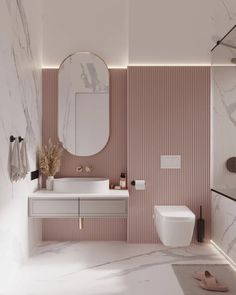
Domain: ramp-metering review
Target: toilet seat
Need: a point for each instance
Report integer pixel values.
(174, 213)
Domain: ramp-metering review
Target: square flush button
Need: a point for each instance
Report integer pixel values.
(170, 161)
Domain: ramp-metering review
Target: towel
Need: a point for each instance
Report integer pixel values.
(24, 159)
(16, 163)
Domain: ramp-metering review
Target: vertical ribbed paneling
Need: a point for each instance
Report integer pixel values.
(50, 106)
(168, 114)
(110, 162)
(95, 229)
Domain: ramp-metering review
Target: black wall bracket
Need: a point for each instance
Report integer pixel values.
(34, 174)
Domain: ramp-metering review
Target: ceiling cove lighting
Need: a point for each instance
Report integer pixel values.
(49, 67)
(142, 65)
(170, 65)
(224, 65)
(57, 67)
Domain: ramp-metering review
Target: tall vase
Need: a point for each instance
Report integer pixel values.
(49, 183)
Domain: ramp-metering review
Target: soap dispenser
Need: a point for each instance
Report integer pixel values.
(123, 181)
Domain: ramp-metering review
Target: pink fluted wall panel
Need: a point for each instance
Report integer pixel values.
(109, 163)
(95, 229)
(168, 114)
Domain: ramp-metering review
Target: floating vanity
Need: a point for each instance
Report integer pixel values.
(68, 201)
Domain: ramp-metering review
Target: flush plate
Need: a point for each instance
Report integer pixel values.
(170, 161)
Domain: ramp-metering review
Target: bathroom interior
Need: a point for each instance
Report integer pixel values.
(118, 147)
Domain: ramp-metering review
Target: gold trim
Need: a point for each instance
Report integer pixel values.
(83, 52)
(109, 92)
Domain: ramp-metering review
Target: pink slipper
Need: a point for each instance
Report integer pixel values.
(211, 284)
(199, 275)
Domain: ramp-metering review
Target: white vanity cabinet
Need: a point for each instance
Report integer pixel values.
(103, 207)
(45, 204)
(48, 208)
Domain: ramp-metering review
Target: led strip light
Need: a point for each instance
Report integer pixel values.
(232, 263)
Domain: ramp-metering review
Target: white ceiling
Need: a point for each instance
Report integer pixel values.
(135, 31)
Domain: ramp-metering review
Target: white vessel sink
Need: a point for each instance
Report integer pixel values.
(81, 185)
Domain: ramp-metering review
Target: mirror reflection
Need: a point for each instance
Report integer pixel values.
(83, 104)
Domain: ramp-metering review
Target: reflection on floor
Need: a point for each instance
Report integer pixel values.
(114, 268)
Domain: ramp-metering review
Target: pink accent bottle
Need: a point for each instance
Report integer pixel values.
(123, 182)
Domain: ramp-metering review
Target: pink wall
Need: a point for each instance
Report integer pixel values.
(95, 229)
(168, 113)
(110, 162)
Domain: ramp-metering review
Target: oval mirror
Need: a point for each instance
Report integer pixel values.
(83, 104)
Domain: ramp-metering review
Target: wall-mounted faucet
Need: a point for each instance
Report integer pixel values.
(79, 169)
(86, 169)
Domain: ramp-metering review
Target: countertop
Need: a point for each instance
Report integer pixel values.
(45, 194)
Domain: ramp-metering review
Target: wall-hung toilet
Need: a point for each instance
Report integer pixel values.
(174, 225)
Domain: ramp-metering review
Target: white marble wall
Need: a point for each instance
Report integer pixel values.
(224, 124)
(223, 17)
(20, 115)
(224, 224)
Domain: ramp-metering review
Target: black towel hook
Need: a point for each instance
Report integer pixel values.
(13, 138)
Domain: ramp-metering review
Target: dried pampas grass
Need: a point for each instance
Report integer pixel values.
(50, 158)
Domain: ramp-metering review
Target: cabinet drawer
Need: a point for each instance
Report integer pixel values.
(53, 208)
(103, 208)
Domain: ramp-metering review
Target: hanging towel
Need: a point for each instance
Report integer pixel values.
(16, 163)
(24, 159)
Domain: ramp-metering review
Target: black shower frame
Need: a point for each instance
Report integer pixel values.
(220, 41)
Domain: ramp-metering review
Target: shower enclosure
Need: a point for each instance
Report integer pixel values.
(223, 200)
(224, 112)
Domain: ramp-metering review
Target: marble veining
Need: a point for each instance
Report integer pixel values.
(224, 224)
(224, 125)
(223, 17)
(107, 268)
(228, 10)
(20, 115)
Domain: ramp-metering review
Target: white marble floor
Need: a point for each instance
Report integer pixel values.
(114, 268)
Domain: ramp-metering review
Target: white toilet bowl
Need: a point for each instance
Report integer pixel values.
(174, 225)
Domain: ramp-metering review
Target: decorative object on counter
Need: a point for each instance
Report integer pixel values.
(49, 183)
(123, 182)
(200, 228)
(19, 163)
(231, 164)
(50, 162)
(117, 187)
